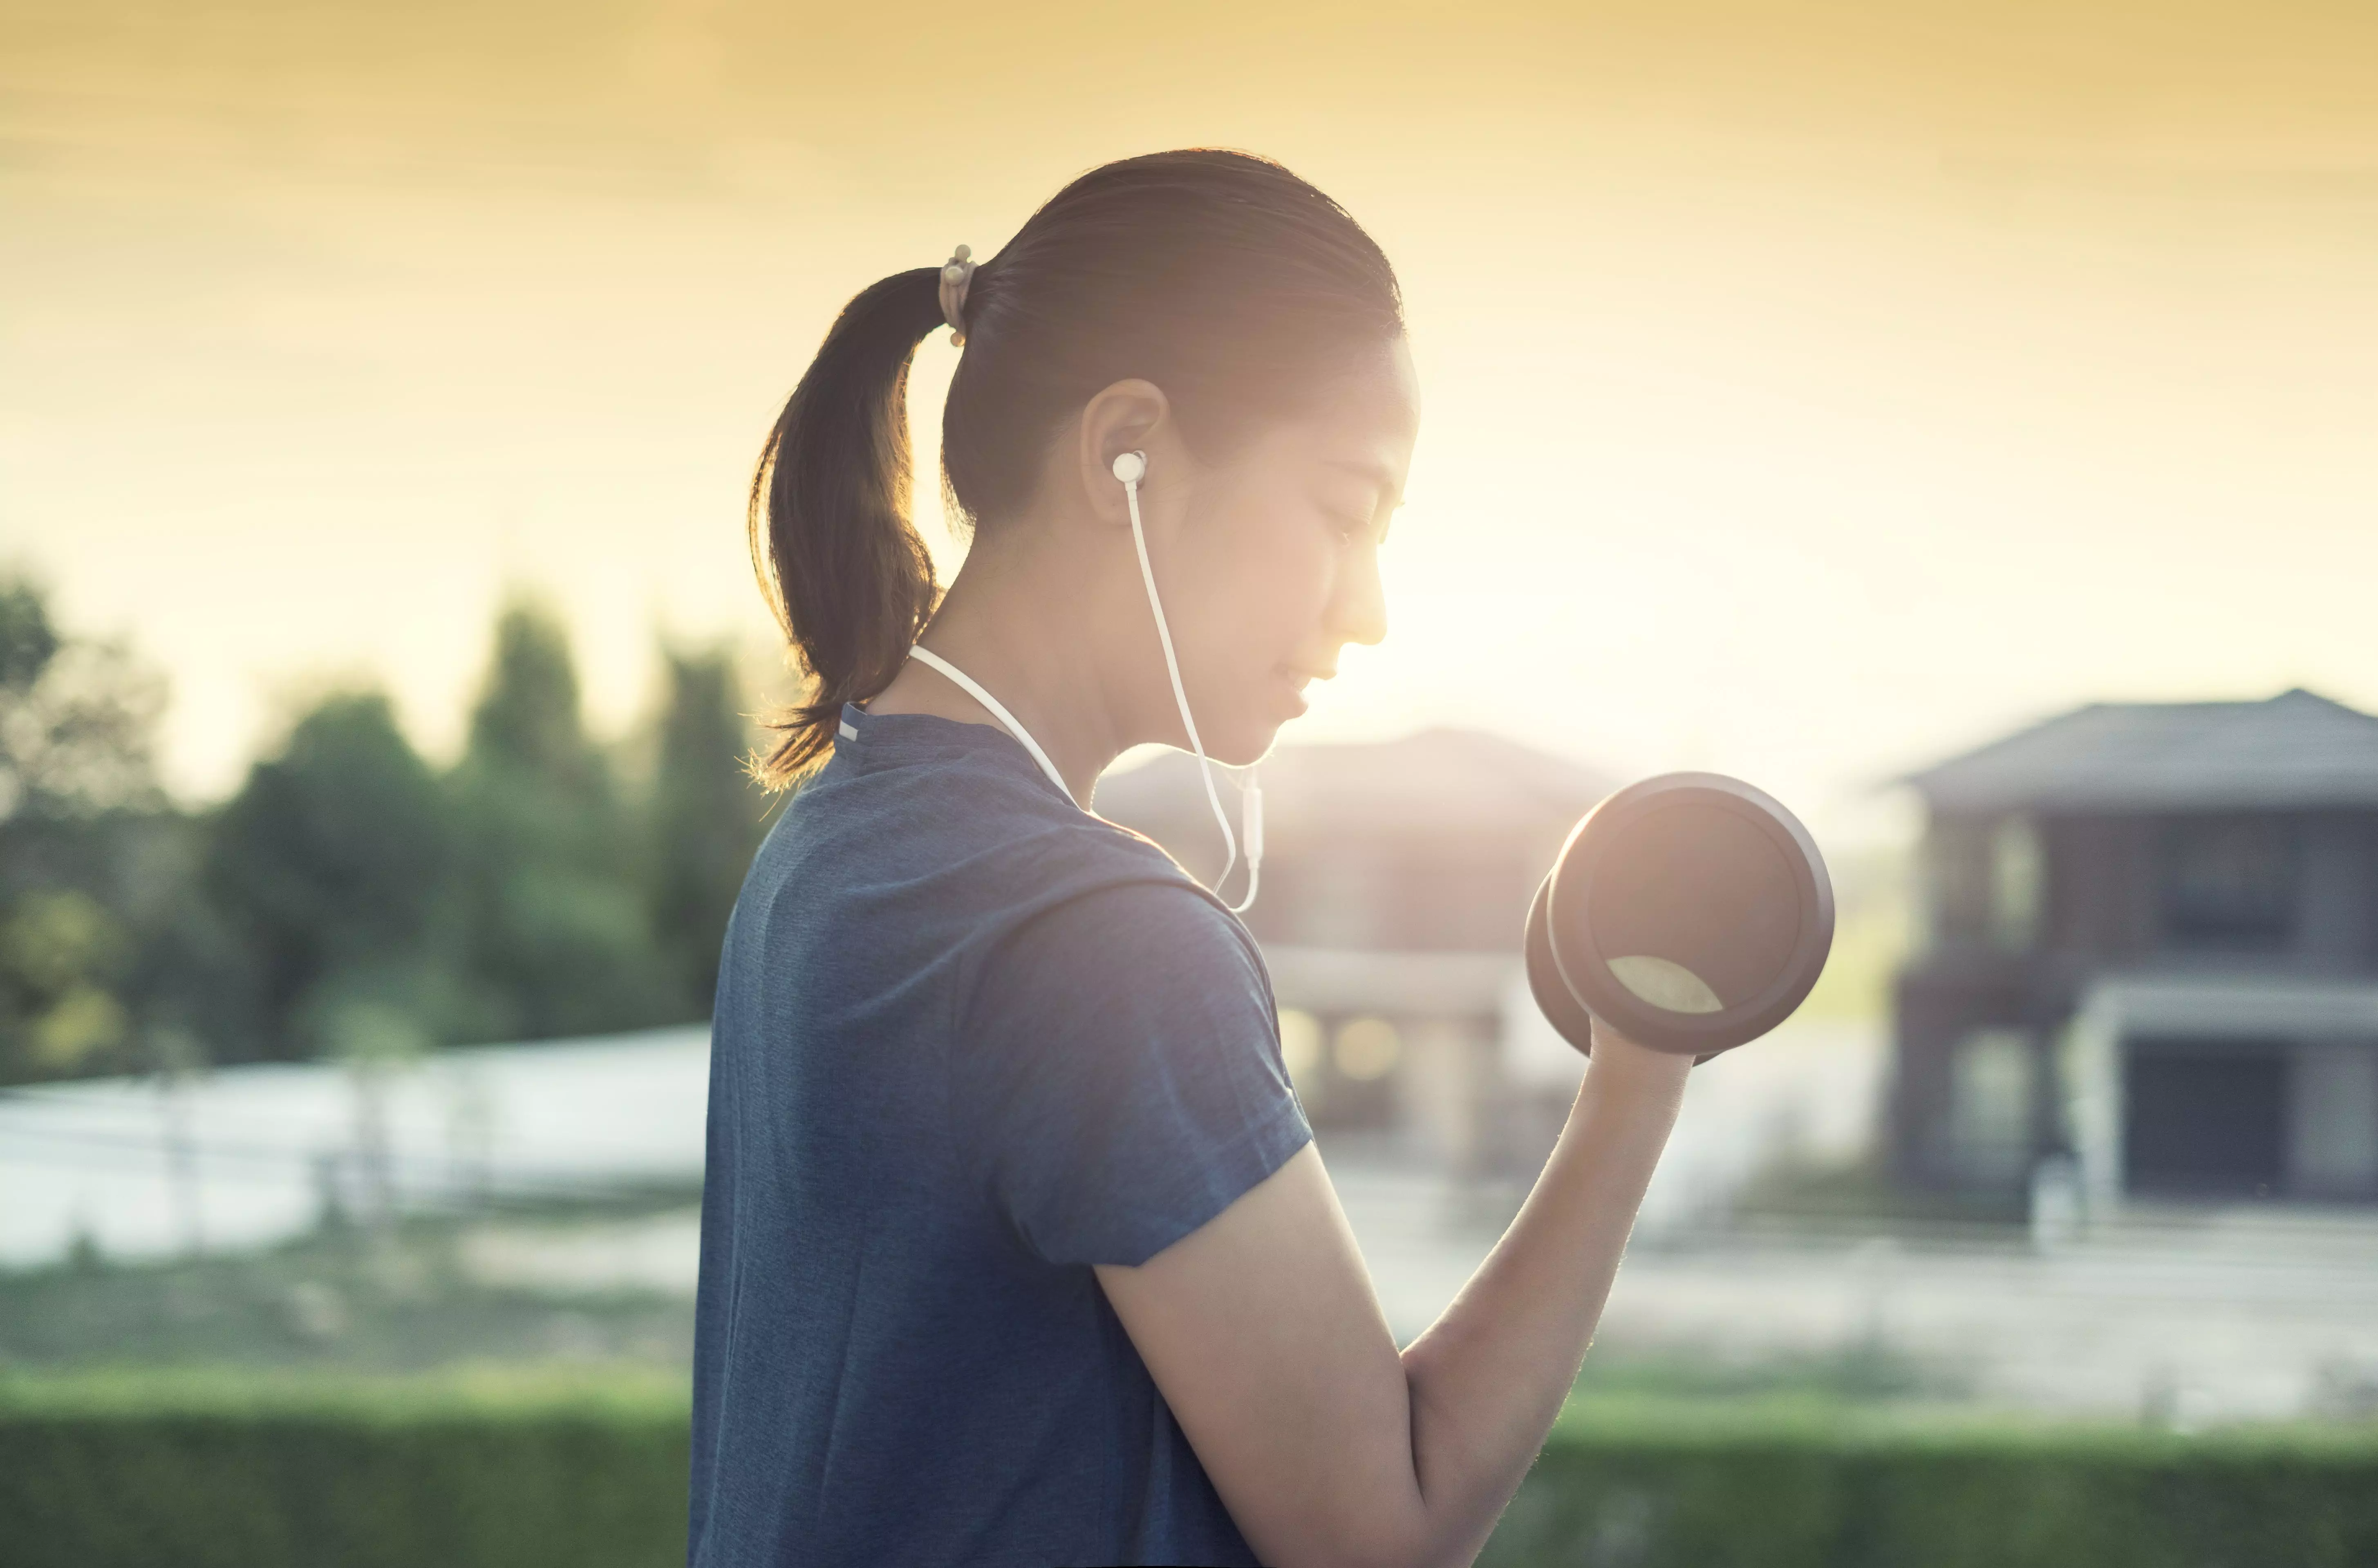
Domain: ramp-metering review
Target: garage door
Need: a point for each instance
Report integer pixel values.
(2206, 1120)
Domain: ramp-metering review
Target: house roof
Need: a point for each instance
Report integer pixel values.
(2298, 750)
(1443, 777)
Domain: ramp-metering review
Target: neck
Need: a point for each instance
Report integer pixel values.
(1024, 637)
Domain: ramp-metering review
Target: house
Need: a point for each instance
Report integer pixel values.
(2150, 950)
(1395, 883)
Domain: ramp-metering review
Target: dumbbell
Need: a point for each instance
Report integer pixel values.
(1690, 912)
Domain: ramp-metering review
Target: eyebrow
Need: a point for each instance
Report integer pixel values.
(1378, 473)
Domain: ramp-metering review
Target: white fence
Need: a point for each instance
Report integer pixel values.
(249, 1155)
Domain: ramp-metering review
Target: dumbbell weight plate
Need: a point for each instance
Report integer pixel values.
(1691, 911)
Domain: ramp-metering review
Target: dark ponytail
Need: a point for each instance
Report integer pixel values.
(1220, 276)
(841, 563)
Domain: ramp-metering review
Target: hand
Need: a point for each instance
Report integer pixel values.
(1619, 1060)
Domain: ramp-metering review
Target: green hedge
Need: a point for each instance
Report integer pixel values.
(1635, 1487)
(523, 1472)
(450, 1475)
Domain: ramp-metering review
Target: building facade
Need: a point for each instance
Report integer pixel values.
(2150, 956)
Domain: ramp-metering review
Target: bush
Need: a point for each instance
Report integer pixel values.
(523, 1470)
(99, 1473)
(1626, 1487)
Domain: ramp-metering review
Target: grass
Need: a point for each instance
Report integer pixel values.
(620, 1389)
(1860, 1197)
(1661, 1401)
(341, 1299)
(1853, 1375)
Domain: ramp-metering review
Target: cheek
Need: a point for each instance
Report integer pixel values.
(1257, 592)
(1279, 592)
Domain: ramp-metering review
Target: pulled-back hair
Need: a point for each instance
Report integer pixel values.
(1220, 276)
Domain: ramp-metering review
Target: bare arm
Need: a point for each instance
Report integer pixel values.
(1330, 1447)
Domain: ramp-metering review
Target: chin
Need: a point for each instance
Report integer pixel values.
(1246, 739)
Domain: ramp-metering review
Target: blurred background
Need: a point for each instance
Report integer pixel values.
(1957, 419)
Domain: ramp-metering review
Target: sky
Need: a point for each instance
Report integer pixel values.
(1811, 390)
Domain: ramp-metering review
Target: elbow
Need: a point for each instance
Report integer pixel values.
(1411, 1550)
(1349, 1551)
(1383, 1533)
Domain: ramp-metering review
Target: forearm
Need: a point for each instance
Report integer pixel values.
(1489, 1376)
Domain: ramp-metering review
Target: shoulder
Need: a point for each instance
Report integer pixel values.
(951, 848)
(1119, 1073)
(981, 828)
(1148, 916)
(1119, 979)
(947, 813)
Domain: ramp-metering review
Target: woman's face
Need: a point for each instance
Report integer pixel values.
(1272, 566)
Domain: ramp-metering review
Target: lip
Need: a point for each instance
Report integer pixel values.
(1294, 678)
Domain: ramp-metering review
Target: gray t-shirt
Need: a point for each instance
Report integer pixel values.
(969, 1041)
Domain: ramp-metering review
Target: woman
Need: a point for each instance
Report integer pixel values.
(1015, 1248)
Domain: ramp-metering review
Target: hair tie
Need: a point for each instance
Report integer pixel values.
(956, 273)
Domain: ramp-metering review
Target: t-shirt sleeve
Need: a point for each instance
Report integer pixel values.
(1120, 1073)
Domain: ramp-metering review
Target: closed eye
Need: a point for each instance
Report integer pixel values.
(1352, 527)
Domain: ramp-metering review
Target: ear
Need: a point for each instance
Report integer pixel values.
(1132, 415)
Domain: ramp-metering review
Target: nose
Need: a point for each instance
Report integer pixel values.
(1358, 611)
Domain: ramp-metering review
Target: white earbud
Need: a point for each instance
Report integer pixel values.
(1131, 467)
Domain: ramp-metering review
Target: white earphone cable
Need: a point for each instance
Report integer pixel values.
(1250, 791)
(1252, 800)
(974, 689)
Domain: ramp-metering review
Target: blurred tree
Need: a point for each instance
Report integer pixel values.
(76, 718)
(61, 955)
(80, 813)
(347, 895)
(559, 938)
(332, 868)
(527, 718)
(705, 815)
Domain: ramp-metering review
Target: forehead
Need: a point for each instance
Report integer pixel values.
(1367, 417)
